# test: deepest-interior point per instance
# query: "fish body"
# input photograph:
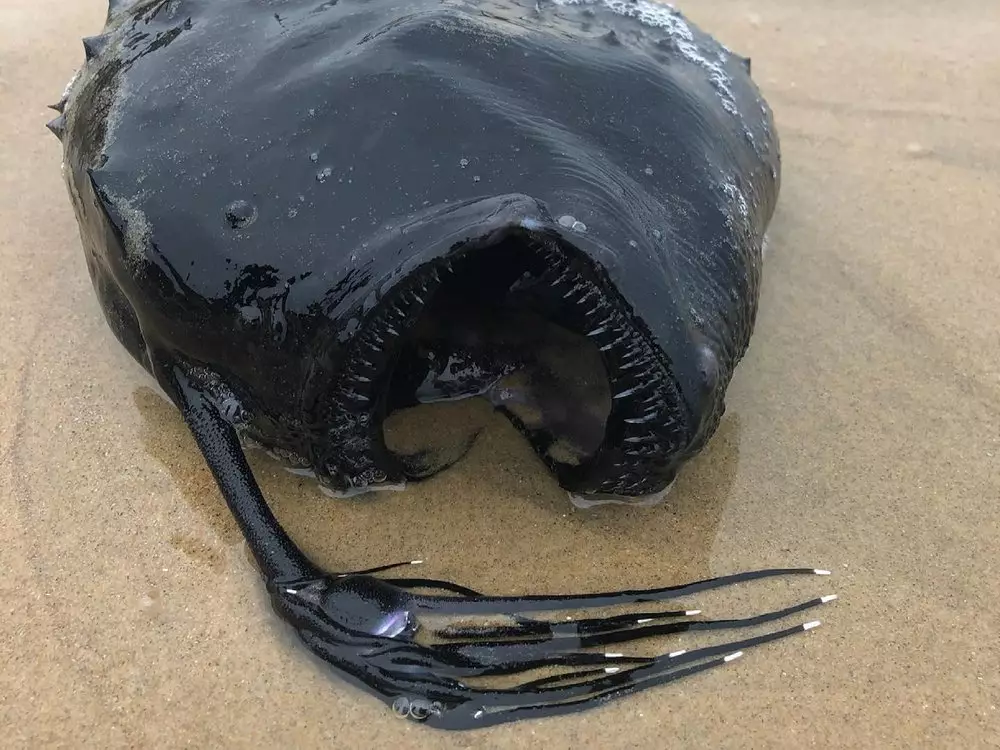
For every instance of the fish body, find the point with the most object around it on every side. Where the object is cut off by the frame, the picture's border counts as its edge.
(302, 216)
(273, 193)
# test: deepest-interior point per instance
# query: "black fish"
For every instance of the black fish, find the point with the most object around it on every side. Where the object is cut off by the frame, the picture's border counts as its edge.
(301, 216)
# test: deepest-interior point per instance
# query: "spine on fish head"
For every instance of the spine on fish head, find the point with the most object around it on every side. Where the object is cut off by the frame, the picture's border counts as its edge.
(94, 49)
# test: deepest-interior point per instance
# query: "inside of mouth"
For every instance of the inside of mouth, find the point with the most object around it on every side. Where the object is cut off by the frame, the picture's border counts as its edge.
(485, 333)
(531, 325)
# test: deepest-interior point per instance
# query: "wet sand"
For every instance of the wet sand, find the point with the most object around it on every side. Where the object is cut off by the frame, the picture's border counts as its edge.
(863, 435)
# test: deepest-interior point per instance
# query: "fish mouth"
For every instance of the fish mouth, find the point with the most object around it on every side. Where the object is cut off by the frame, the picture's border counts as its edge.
(529, 321)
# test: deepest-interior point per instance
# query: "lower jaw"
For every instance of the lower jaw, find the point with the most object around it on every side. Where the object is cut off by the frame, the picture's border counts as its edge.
(647, 428)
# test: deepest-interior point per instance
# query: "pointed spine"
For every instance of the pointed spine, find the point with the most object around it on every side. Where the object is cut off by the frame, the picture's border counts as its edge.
(59, 106)
(57, 126)
(93, 46)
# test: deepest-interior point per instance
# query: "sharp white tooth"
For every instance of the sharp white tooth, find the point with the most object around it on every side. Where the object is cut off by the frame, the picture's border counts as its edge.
(642, 420)
(626, 393)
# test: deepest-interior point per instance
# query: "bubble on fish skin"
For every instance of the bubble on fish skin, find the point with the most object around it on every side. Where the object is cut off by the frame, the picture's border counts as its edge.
(137, 230)
(324, 174)
(240, 214)
(476, 178)
(463, 163)
(232, 410)
(648, 171)
(314, 157)
(250, 313)
(740, 208)
(401, 707)
(571, 222)
(660, 15)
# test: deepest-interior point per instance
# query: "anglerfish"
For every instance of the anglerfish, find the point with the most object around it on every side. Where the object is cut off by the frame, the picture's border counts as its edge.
(303, 216)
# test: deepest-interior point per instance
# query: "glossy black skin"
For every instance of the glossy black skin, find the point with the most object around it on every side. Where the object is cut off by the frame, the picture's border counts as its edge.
(239, 273)
(192, 106)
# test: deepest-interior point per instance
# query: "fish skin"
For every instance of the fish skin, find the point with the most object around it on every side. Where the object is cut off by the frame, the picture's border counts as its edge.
(267, 194)
(214, 239)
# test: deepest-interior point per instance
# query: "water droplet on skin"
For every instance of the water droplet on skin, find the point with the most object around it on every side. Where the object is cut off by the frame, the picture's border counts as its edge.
(648, 170)
(313, 157)
(292, 213)
(250, 314)
(463, 163)
(401, 706)
(240, 214)
(476, 178)
(633, 243)
(579, 226)
(567, 221)
(657, 233)
(312, 112)
(324, 174)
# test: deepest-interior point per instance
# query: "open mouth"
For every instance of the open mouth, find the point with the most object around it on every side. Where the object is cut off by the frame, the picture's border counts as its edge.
(529, 322)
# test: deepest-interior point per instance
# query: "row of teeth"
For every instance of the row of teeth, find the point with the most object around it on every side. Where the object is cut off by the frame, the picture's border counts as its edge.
(358, 438)
(642, 399)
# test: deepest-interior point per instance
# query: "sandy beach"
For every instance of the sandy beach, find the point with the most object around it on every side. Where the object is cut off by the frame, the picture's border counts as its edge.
(862, 436)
